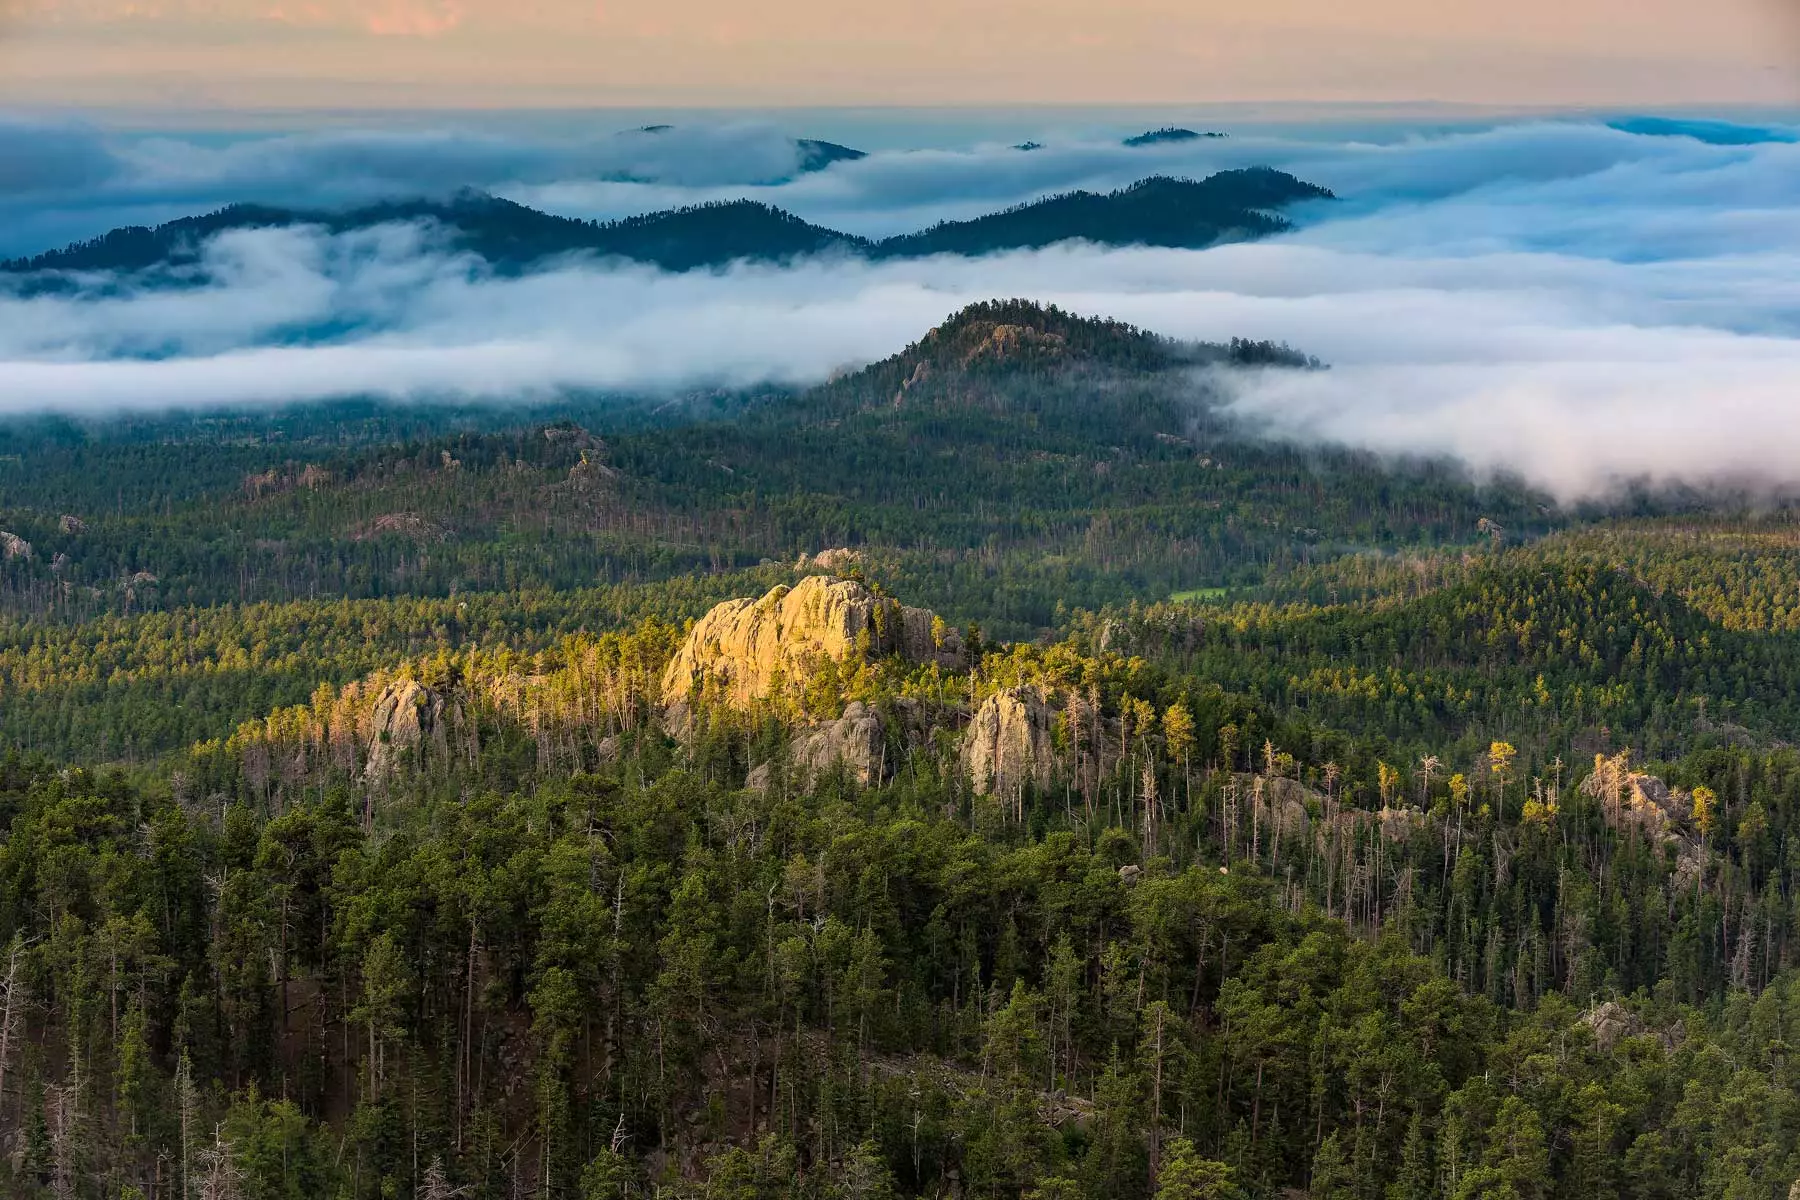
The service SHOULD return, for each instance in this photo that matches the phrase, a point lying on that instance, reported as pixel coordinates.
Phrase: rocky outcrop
(1006, 342)
(403, 524)
(1008, 743)
(1632, 801)
(13, 546)
(1643, 806)
(742, 649)
(1653, 802)
(410, 722)
(832, 561)
(1399, 824)
(856, 741)
(1610, 1022)
(590, 473)
(920, 373)
(1283, 805)
(278, 481)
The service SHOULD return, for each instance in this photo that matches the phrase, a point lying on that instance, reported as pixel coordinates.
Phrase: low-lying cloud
(1581, 305)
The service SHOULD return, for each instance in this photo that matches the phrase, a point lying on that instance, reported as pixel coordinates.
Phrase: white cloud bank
(1573, 303)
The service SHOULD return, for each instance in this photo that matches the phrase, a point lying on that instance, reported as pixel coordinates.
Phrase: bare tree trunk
(13, 999)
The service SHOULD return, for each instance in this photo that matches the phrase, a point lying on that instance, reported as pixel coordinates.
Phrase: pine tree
(1187, 1176)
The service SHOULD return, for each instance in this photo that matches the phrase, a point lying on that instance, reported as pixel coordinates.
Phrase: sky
(241, 55)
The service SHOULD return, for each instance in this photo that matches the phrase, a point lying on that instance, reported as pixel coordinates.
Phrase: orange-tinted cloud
(413, 18)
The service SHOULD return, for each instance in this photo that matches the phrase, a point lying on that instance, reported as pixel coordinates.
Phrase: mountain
(980, 356)
(500, 231)
(1159, 211)
(711, 235)
(1012, 333)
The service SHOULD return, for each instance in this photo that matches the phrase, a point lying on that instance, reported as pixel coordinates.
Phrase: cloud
(62, 181)
(567, 166)
(1577, 304)
(49, 160)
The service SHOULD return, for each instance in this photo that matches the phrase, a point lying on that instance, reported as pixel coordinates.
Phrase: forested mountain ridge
(1160, 211)
(1089, 457)
(505, 234)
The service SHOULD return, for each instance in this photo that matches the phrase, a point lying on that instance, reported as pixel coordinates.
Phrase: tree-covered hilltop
(1087, 462)
(1159, 211)
(1168, 134)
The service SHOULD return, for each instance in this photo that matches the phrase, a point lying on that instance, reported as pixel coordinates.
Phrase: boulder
(744, 648)
(1009, 742)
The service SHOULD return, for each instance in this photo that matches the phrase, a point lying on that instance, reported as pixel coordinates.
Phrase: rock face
(1652, 804)
(1008, 743)
(1644, 806)
(1006, 342)
(838, 558)
(14, 546)
(857, 740)
(1611, 1021)
(1281, 805)
(408, 719)
(406, 524)
(744, 647)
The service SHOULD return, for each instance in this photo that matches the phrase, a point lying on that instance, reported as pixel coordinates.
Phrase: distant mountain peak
(816, 155)
(1012, 330)
(1006, 335)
